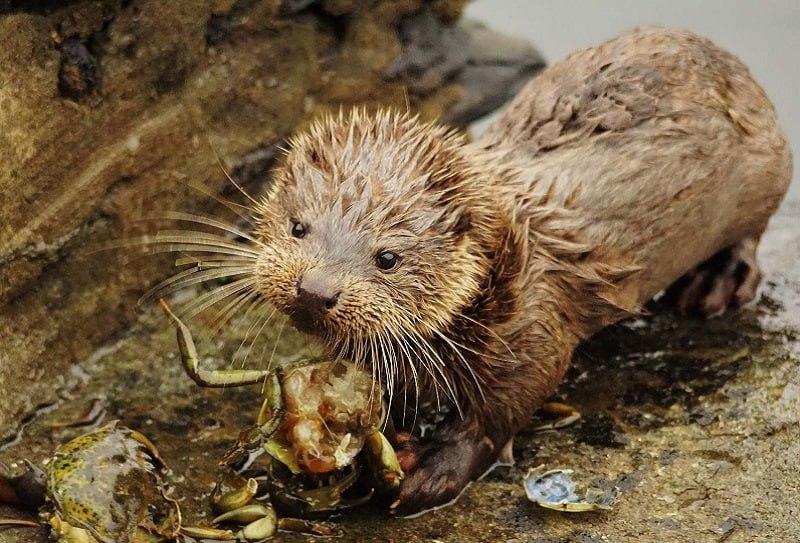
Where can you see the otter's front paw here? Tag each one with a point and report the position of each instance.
(438, 473)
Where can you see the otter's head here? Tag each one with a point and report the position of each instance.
(373, 230)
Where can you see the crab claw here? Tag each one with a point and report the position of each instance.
(191, 363)
(246, 513)
(317, 501)
(260, 520)
(212, 534)
(234, 499)
(384, 460)
(261, 529)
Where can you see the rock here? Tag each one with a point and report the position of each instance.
(488, 68)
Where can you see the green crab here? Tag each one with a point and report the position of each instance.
(107, 486)
(316, 419)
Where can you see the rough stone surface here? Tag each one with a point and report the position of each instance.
(112, 110)
(482, 67)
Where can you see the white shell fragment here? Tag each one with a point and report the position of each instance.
(556, 490)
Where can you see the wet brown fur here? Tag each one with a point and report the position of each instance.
(609, 176)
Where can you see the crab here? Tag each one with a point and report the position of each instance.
(107, 486)
(317, 418)
(244, 506)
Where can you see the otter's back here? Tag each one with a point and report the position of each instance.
(662, 144)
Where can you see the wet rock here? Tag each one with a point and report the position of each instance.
(673, 478)
(487, 68)
(702, 416)
(432, 53)
(668, 523)
(599, 430)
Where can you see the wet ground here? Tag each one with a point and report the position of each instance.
(695, 423)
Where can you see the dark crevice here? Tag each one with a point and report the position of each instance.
(172, 79)
(34, 7)
(220, 28)
(79, 71)
(336, 25)
(296, 6)
(252, 171)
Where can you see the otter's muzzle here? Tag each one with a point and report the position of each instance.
(315, 298)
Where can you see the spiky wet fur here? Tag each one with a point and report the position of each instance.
(365, 183)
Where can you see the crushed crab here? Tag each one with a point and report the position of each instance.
(108, 486)
(319, 417)
(330, 410)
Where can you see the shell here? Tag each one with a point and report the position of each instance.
(555, 489)
(330, 409)
(107, 482)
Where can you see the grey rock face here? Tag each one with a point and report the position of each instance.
(488, 67)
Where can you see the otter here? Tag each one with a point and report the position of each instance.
(466, 273)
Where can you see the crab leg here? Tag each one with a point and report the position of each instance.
(302, 526)
(214, 534)
(272, 410)
(385, 459)
(207, 378)
(324, 498)
(235, 498)
(566, 415)
(18, 523)
(269, 419)
(259, 519)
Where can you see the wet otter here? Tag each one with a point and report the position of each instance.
(466, 273)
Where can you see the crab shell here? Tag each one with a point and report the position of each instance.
(331, 409)
(126, 503)
(555, 489)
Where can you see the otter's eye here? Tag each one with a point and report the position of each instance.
(387, 260)
(298, 230)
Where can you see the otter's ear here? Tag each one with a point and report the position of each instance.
(313, 156)
(461, 225)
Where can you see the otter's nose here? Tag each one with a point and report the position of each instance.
(315, 297)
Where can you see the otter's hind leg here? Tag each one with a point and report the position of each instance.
(729, 279)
